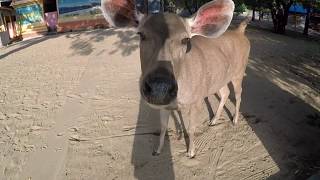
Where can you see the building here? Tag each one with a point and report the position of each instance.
(78, 14)
(150, 6)
(7, 23)
(31, 18)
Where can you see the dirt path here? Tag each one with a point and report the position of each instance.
(77, 114)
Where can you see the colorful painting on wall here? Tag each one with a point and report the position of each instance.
(29, 16)
(77, 10)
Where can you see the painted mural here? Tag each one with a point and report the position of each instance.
(29, 16)
(77, 10)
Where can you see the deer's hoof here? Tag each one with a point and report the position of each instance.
(212, 123)
(235, 122)
(155, 153)
(191, 154)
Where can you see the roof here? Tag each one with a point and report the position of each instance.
(19, 2)
(7, 11)
(297, 8)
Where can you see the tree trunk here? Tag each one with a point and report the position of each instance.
(253, 14)
(306, 25)
(286, 12)
(278, 19)
(146, 8)
(274, 19)
(187, 6)
(261, 14)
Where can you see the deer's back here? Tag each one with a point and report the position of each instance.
(222, 59)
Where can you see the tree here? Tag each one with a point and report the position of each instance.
(191, 5)
(307, 21)
(279, 9)
(280, 13)
(240, 7)
(253, 4)
(308, 5)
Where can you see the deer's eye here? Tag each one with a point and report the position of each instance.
(187, 42)
(142, 36)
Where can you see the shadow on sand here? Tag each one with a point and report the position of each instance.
(287, 126)
(26, 44)
(146, 166)
(82, 41)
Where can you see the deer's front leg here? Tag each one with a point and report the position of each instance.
(191, 115)
(164, 118)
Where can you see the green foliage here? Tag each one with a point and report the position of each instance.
(309, 3)
(186, 4)
(263, 6)
(240, 8)
(242, 5)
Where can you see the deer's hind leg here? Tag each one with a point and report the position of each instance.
(224, 94)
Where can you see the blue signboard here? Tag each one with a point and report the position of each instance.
(76, 10)
(69, 6)
(29, 14)
(297, 8)
(154, 6)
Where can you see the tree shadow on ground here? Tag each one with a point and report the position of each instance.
(126, 41)
(281, 68)
(292, 62)
(287, 124)
(83, 41)
(288, 127)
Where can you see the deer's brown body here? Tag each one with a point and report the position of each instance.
(184, 60)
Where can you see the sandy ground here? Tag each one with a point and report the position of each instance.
(70, 109)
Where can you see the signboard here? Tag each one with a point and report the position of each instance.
(52, 20)
(29, 16)
(77, 10)
(154, 6)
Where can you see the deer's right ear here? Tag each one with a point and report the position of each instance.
(212, 19)
(119, 13)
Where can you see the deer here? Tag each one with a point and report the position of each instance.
(186, 59)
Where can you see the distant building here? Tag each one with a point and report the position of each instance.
(29, 17)
(7, 23)
(150, 6)
(77, 14)
(155, 6)
(37, 17)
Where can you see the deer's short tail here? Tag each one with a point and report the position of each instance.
(243, 25)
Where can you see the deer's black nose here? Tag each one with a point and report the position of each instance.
(159, 90)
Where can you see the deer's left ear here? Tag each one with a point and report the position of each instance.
(212, 19)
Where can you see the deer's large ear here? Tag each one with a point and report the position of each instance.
(212, 19)
(119, 13)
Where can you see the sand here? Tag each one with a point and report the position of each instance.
(70, 109)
